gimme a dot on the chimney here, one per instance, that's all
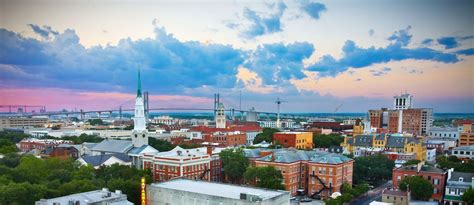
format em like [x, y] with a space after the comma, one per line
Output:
[450, 171]
[209, 150]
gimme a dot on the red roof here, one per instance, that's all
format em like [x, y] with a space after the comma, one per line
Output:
[232, 128]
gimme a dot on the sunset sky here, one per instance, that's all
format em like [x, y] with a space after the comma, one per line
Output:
[317, 55]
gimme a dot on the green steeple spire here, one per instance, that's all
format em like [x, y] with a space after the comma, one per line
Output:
[139, 87]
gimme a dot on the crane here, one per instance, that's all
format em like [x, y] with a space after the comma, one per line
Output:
[278, 102]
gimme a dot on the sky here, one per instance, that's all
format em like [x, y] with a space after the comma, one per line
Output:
[315, 55]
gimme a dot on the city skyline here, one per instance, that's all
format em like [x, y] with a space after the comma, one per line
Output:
[316, 55]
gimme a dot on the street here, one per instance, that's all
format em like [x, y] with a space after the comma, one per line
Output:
[372, 195]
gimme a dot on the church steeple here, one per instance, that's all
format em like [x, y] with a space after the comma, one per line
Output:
[139, 86]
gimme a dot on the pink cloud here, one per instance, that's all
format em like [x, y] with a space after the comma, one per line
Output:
[57, 99]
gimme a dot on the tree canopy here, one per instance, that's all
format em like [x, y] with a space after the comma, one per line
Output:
[468, 196]
[267, 135]
[326, 141]
[373, 169]
[265, 177]
[453, 162]
[26, 179]
[234, 163]
[420, 189]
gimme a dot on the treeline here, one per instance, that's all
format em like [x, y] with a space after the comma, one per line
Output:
[26, 179]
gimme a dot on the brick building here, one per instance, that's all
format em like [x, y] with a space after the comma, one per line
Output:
[437, 177]
[29, 144]
[316, 173]
[225, 139]
[415, 121]
[200, 163]
[298, 140]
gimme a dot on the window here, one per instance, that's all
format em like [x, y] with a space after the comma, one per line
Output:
[461, 179]
[435, 181]
[435, 191]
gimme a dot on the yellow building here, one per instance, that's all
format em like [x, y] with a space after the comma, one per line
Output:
[385, 142]
[298, 140]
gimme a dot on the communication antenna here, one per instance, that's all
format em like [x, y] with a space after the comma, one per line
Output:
[278, 102]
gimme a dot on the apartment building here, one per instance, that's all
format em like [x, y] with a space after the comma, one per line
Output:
[315, 173]
[200, 163]
[298, 140]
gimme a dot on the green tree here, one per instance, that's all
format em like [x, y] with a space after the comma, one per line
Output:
[267, 135]
[453, 162]
[420, 189]
[10, 160]
[411, 162]
[326, 141]
[160, 145]
[468, 196]
[265, 177]
[373, 169]
[234, 163]
[96, 122]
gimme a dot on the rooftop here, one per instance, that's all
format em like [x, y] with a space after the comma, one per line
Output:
[394, 192]
[217, 189]
[88, 198]
[116, 146]
[98, 160]
[465, 148]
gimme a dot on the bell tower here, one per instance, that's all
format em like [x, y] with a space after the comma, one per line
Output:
[139, 133]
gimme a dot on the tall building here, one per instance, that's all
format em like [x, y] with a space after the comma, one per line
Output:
[403, 118]
[402, 102]
[139, 133]
[220, 116]
[252, 115]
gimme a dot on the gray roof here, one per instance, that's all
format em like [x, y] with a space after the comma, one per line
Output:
[363, 140]
[137, 150]
[467, 177]
[291, 156]
[465, 148]
[396, 141]
[252, 153]
[217, 189]
[86, 198]
[113, 146]
[97, 160]
[329, 158]
[380, 137]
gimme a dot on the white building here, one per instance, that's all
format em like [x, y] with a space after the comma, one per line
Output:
[431, 155]
[444, 132]
[268, 124]
[251, 116]
[97, 197]
[166, 120]
[464, 152]
[184, 191]
[251, 136]
[456, 185]
[402, 102]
